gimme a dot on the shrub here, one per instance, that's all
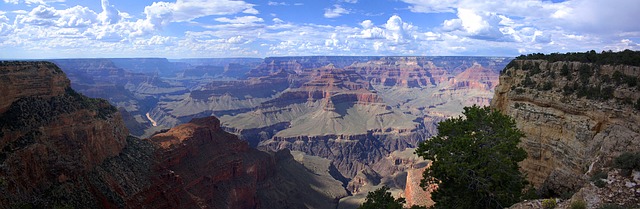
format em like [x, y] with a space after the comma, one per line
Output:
[381, 198]
[547, 86]
[599, 183]
[530, 193]
[565, 71]
[627, 160]
[599, 175]
[578, 204]
[549, 203]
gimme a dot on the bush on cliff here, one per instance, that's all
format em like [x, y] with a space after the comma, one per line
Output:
[475, 161]
[381, 199]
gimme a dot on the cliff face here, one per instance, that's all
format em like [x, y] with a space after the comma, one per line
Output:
[49, 133]
[576, 117]
[18, 77]
[203, 166]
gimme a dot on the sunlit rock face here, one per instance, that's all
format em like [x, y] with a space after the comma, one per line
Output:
[569, 132]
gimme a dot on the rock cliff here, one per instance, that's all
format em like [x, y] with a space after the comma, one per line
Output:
[576, 116]
[50, 134]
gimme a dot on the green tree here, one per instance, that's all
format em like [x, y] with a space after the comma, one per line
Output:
[381, 199]
[475, 161]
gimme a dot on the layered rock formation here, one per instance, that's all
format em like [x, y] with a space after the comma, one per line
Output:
[353, 111]
[206, 166]
[62, 149]
[134, 92]
[333, 113]
[576, 116]
[50, 134]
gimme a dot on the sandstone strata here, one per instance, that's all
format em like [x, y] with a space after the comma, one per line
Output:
[575, 119]
[50, 134]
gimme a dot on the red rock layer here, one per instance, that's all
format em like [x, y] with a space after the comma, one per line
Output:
[48, 133]
[203, 166]
[476, 77]
[414, 194]
[20, 80]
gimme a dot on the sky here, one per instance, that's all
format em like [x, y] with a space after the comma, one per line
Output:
[39, 29]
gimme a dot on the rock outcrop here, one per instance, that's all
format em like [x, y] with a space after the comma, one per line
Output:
[49, 133]
[577, 117]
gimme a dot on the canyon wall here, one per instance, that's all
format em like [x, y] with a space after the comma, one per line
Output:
[577, 116]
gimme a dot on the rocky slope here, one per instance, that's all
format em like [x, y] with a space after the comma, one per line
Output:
[50, 134]
[206, 166]
[62, 149]
[577, 116]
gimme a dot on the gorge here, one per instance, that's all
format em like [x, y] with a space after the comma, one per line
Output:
[299, 132]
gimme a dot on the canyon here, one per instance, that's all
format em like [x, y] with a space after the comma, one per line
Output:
[352, 111]
[63, 149]
[295, 132]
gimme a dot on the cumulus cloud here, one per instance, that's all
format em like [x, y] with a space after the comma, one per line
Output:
[187, 10]
[77, 16]
[366, 24]
[109, 14]
[497, 27]
[334, 12]
[394, 30]
[5, 27]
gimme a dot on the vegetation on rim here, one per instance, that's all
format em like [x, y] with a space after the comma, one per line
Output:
[475, 161]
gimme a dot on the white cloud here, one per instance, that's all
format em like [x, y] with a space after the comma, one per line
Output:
[237, 40]
[497, 27]
[350, 1]
[394, 30]
[251, 11]
[77, 16]
[42, 15]
[5, 27]
[431, 6]
[240, 20]
[154, 40]
[161, 13]
[109, 14]
[32, 1]
[366, 24]
[337, 11]
[596, 16]
[272, 3]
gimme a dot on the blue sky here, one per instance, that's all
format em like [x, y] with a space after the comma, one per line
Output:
[255, 28]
